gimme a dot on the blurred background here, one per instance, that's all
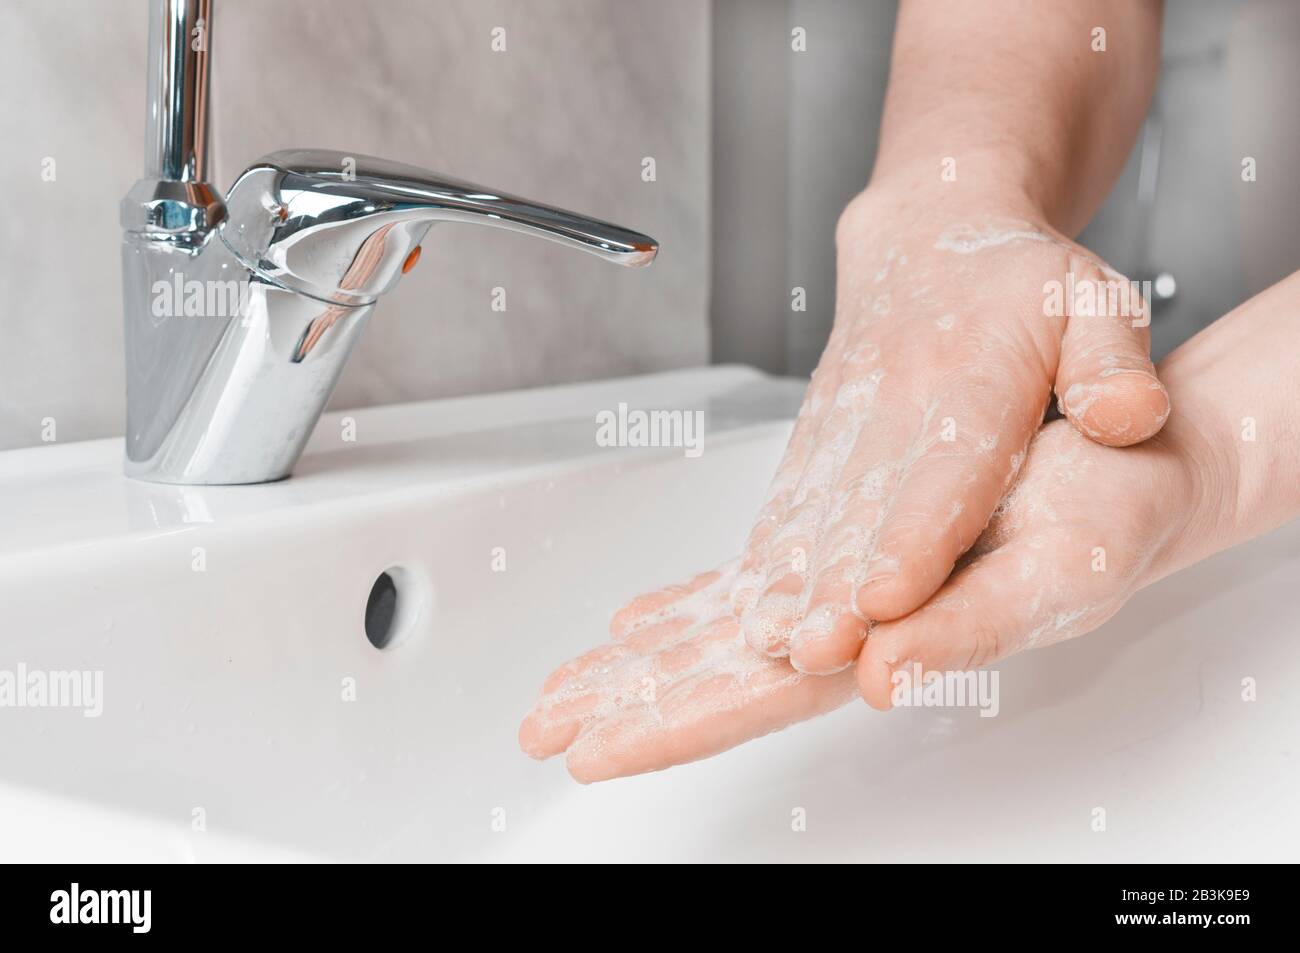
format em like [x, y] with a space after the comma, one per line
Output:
[756, 149]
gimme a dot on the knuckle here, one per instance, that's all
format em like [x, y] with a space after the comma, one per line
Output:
[986, 644]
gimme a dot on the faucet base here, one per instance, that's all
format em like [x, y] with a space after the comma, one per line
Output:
[227, 374]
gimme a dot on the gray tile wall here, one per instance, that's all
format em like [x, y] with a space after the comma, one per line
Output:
[803, 141]
[584, 91]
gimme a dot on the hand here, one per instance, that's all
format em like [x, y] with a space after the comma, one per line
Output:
[938, 372]
[676, 684]
[1083, 529]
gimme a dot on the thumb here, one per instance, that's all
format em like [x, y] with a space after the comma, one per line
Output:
[1105, 382]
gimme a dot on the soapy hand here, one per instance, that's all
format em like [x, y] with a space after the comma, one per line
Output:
[953, 325]
[1082, 529]
[676, 684]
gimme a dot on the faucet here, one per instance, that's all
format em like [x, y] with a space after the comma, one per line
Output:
[241, 312]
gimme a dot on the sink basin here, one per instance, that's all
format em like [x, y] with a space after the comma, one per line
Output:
[246, 713]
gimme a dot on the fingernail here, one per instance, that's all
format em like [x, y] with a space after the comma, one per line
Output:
[767, 626]
[879, 569]
[819, 645]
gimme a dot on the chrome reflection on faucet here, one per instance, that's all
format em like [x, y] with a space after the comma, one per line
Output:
[309, 238]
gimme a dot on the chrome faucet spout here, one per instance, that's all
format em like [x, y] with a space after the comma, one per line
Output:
[240, 314]
[339, 226]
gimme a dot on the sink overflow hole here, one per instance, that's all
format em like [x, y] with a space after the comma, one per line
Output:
[396, 601]
[381, 610]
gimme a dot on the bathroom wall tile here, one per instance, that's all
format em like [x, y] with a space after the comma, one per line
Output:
[584, 90]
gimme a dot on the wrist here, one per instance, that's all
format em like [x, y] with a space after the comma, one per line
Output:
[992, 179]
[902, 198]
[1234, 392]
[1201, 444]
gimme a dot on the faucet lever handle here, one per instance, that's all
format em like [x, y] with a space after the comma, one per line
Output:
[339, 226]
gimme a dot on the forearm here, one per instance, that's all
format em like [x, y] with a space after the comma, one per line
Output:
[1235, 389]
[1013, 91]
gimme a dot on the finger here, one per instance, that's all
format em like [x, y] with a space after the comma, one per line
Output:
[570, 695]
[605, 663]
[967, 451]
[1106, 383]
[1014, 598]
[768, 623]
[674, 658]
[619, 676]
[601, 658]
[830, 636]
[707, 717]
[549, 729]
[830, 632]
[825, 381]
[655, 607]
[772, 516]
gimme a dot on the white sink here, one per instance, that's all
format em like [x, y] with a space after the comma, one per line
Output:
[223, 689]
